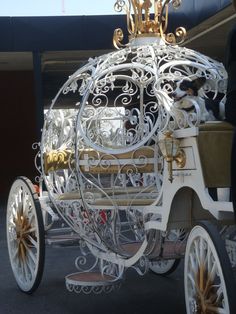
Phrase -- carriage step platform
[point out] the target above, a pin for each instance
(92, 282)
(166, 250)
(62, 239)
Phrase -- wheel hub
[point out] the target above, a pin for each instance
(201, 304)
(206, 297)
(21, 227)
(25, 235)
(205, 286)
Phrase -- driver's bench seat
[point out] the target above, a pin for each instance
(215, 143)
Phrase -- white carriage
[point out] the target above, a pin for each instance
(131, 174)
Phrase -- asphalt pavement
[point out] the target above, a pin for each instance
(138, 295)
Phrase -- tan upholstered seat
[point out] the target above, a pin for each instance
(91, 161)
(118, 196)
(214, 142)
(108, 191)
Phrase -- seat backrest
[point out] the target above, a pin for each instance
(215, 143)
(141, 160)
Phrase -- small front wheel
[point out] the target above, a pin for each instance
(164, 267)
(208, 277)
(25, 235)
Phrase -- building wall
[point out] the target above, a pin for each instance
(17, 127)
(193, 12)
(55, 33)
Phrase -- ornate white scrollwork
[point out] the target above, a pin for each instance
(100, 158)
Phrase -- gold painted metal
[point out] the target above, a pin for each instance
(101, 162)
(169, 147)
(58, 159)
(118, 37)
(23, 229)
(207, 299)
(180, 159)
(147, 18)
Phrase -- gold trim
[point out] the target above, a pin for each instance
(101, 162)
(206, 296)
(180, 159)
(23, 230)
(118, 36)
(148, 18)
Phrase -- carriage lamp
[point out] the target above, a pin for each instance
(170, 150)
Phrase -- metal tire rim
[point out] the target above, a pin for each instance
(205, 287)
(23, 235)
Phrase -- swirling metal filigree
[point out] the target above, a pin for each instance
(100, 160)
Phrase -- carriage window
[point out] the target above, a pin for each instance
(105, 125)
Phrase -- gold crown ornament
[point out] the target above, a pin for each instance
(147, 18)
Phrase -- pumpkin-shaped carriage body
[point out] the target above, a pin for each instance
(132, 173)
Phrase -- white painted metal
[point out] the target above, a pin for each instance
(25, 235)
(167, 266)
(105, 90)
(204, 282)
(162, 267)
(113, 190)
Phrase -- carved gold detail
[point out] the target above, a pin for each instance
(23, 231)
(118, 36)
(180, 159)
(55, 160)
(148, 18)
(207, 298)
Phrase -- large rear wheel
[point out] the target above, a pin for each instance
(208, 277)
(25, 235)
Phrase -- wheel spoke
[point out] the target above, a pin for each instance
(205, 288)
(30, 253)
(210, 278)
(26, 203)
(11, 225)
(213, 309)
(30, 267)
(34, 242)
(25, 270)
(201, 247)
(22, 251)
(192, 280)
(219, 294)
(24, 235)
(15, 255)
(16, 200)
(193, 263)
(201, 277)
(31, 219)
(209, 258)
(196, 251)
(31, 230)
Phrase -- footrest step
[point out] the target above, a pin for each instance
(92, 282)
